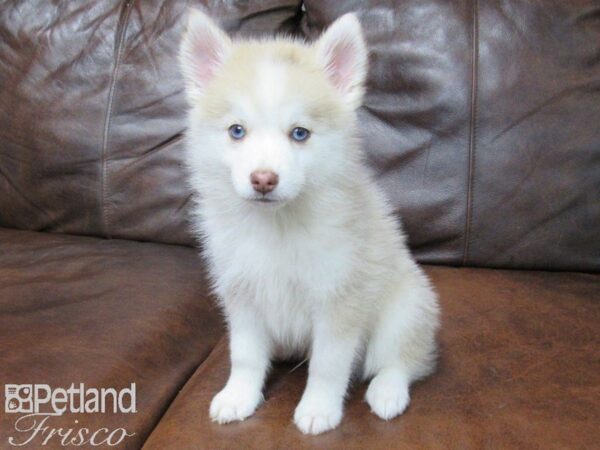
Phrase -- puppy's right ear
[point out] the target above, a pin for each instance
(203, 49)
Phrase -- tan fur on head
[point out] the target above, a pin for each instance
(335, 65)
(241, 75)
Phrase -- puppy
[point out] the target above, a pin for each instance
(304, 253)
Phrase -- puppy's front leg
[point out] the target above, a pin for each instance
(322, 403)
(250, 353)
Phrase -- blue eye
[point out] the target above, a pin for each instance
(237, 131)
(300, 134)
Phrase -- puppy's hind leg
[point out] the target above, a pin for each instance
(402, 347)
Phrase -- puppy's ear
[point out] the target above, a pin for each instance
(343, 54)
(203, 49)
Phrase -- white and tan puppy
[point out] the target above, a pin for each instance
(305, 256)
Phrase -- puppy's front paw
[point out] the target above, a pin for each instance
(317, 415)
(234, 403)
(387, 397)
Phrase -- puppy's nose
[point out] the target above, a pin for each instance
(264, 181)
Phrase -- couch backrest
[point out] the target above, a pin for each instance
(481, 120)
(92, 113)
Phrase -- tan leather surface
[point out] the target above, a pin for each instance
(104, 313)
(519, 368)
(481, 120)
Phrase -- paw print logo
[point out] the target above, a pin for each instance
(18, 398)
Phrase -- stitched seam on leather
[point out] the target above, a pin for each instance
(472, 128)
(120, 38)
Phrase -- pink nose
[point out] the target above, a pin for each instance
(264, 181)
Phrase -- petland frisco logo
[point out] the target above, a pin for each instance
(39, 403)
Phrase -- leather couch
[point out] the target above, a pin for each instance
(482, 123)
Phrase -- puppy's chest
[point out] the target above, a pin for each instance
(285, 277)
(278, 268)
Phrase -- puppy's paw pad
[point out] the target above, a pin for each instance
(316, 420)
(227, 406)
(387, 401)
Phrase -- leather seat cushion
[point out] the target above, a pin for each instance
(519, 368)
(106, 313)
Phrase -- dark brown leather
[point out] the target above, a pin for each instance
(104, 313)
(480, 120)
(92, 113)
(519, 368)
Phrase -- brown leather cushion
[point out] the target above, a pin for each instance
(103, 313)
(519, 368)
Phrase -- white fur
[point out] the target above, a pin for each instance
(323, 271)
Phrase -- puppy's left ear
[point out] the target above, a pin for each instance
(342, 52)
